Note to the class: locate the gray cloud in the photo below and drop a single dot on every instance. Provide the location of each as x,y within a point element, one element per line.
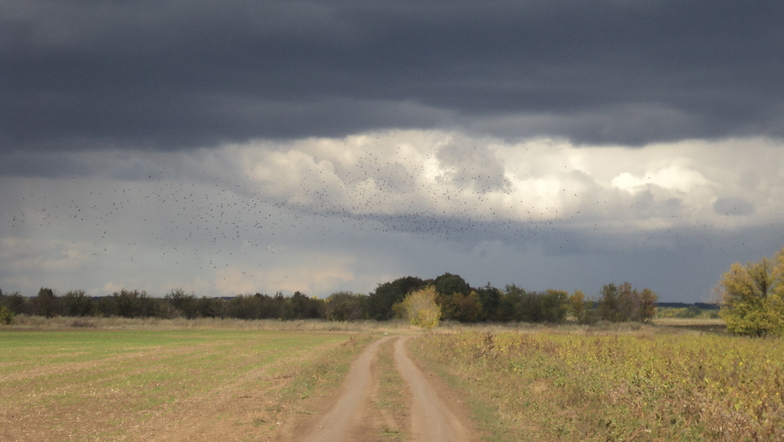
<point>162,75</point>
<point>733,207</point>
<point>471,164</point>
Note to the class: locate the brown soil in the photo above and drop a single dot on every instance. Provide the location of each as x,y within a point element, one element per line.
<point>434,413</point>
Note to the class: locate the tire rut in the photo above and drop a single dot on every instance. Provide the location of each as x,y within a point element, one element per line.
<point>335,425</point>
<point>431,419</point>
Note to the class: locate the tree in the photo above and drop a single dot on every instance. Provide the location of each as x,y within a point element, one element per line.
<point>554,305</point>
<point>577,306</point>
<point>134,304</point>
<point>608,303</point>
<point>6,315</point>
<point>46,304</point>
<point>345,306</point>
<point>625,303</point>
<point>490,299</point>
<point>77,303</point>
<point>300,306</point>
<point>14,302</point>
<point>420,308</point>
<point>752,297</point>
<point>648,301</point>
<point>466,307</point>
<point>183,304</point>
<point>388,294</point>
<point>449,284</point>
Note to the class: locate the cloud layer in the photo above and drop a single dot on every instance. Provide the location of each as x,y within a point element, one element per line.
<point>326,214</point>
<point>170,74</point>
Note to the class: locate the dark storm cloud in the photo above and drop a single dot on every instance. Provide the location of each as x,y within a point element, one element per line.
<point>171,74</point>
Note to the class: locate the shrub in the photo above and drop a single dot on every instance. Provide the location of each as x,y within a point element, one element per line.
<point>420,308</point>
<point>6,315</point>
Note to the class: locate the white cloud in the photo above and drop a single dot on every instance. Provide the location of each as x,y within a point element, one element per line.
<point>319,215</point>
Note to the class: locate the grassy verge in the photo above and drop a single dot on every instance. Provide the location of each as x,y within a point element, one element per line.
<point>629,386</point>
<point>392,395</point>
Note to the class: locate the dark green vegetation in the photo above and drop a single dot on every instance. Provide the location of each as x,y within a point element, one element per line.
<point>457,300</point>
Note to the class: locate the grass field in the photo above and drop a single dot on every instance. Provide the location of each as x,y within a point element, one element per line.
<point>637,385</point>
<point>211,379</point>
<point>136,384</point>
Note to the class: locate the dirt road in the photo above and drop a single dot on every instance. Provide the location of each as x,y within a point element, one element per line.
<point>334,426</point>
<point>429,418</point>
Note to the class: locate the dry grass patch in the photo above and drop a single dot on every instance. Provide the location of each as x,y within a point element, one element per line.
<point>162,385</point>
<point>639,385</point>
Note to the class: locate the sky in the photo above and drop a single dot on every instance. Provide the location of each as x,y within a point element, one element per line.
<point>243,147</point>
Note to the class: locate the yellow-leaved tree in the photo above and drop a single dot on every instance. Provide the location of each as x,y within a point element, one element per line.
<point>420,308</point>
<point>752,297</point>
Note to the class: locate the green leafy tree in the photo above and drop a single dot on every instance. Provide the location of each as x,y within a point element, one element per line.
<point>300,306</point>
<point>15,302</point>
<point>752,297</point>
<point>578,306</point>
<point>388,294</point>
<point>467,308</point>
<point>77,303</point>
<point>184,304</point>
<point>490,299</point>
<point>625,303</point>
<point>420,308</point>
<point>449,284</point>
<point>608,303</point>
<point>345,306</point>
<point>46,304</point>
<point>134,304</point>
<point>554,305</point>
<point>6,315</point>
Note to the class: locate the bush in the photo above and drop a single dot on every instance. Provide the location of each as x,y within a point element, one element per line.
<point>6,315</point>
<point>420,308</point>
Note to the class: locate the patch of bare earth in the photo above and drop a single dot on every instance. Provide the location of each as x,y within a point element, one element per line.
<point>384,399</point>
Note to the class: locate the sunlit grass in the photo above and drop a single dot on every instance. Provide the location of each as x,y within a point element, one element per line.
<point>61,385</point>
<point>625,386</point>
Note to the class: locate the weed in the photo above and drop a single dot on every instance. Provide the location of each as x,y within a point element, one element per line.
<point>548,386</point>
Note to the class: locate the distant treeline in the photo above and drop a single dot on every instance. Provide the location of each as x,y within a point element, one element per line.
<point>458,302</point>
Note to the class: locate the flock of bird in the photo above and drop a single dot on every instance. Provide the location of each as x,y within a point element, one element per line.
<point>214,221</point>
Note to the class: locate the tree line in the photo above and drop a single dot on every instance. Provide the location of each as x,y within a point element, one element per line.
<point>457,300</point>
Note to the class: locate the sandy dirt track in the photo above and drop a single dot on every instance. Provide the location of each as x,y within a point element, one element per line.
<point>431,419</point>
<point>335,425</point>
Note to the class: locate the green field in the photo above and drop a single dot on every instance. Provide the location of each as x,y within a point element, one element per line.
<point>136,384</point>
<point>121,379</point>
